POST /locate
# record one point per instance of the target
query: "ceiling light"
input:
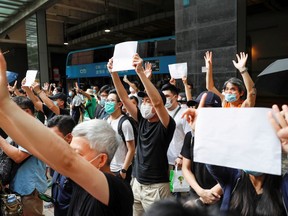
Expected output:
(107, 30)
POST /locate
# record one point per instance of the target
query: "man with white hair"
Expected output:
(86, 161)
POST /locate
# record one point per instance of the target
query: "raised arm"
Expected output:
(279, 121)
(209, 76)
(41, 142)
(131, 108)
(35, 100)
(151, 91)
(132, 85)
(188, 92)
(48, 102)
(248, 82)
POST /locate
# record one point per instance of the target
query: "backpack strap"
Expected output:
(120, 131)
(176, 112)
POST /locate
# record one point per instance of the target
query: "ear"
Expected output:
(103, 160)
(120, 104)
(68, 138)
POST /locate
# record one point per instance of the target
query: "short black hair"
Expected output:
(170, 87)
(132, 97)
(24, 103)
(105, 88)
(64, 123)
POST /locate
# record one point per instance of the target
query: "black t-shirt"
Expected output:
(151, 163)
(50, 114)
(202, 175)
(120, 200)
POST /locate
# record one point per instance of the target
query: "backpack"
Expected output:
(8, 167)
(134, 126)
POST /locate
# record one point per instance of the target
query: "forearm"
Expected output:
(129, 156)
(119, 87)
(217, 189)
(188, 92)
(9, 150)
(151, 90)
(209, 78)
(190, 178)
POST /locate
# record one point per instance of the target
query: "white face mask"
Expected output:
(168, 103)
(146, 111)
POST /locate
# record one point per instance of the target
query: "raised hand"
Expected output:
(241, 64)
(190, 114)
(172, 81)
(138, 63)
(208, 59)
(45, 86)
(125, 79)
(148, 70)
(280, 123)
(12, 88)
(110, 65)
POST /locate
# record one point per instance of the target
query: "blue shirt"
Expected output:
(30, 175)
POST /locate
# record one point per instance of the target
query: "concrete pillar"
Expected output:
(36, 37)
(209, 25)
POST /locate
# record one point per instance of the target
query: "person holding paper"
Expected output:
(233, 89)
(247, 192)
(156, 130)
(204, 189)
(86, 161)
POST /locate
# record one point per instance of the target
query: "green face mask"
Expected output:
(109, 107)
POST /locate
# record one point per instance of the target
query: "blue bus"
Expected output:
(89, 65)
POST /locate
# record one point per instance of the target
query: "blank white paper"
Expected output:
(123, 56)
(241, 138)
(30, 77)
(179, 70)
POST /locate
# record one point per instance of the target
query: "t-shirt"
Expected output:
(151, 163)
(182, 127)
(202, 175)
(50, 114)
(120, 155)
(90, 107)
(120, 200)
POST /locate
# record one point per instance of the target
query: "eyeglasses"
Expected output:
(110, 100)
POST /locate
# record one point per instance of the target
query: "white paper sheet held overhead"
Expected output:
(177, 71)
(241, 138)
(123, 56)
(30, 77)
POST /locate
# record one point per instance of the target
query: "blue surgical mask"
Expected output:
(70, 94)
(253, 173)
(94, 91)
(55, 103)
(109, 107)
(230, 98)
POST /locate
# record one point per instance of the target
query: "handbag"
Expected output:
(10, 203)
(178, 182)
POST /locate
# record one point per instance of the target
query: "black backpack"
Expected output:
(134, 126)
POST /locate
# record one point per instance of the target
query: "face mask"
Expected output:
(146, 111)
(253, 173)
(70, 94)
(168, 103)
(132, 91)
(94, 91)
(230, 98)
(95, 159)
(109, 107)
(102, 101)
(55, 103)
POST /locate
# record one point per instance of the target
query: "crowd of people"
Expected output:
(109, 150)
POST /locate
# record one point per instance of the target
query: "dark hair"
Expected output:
(132, 97)
(244, 196)
(105, 88)
(169, 207)
(237, 82)
(64, 123)
(24, 103)
(170, 87)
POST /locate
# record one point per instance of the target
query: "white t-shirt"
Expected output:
(182, 127)
(120, 154)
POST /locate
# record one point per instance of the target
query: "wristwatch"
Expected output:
(123, 170)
